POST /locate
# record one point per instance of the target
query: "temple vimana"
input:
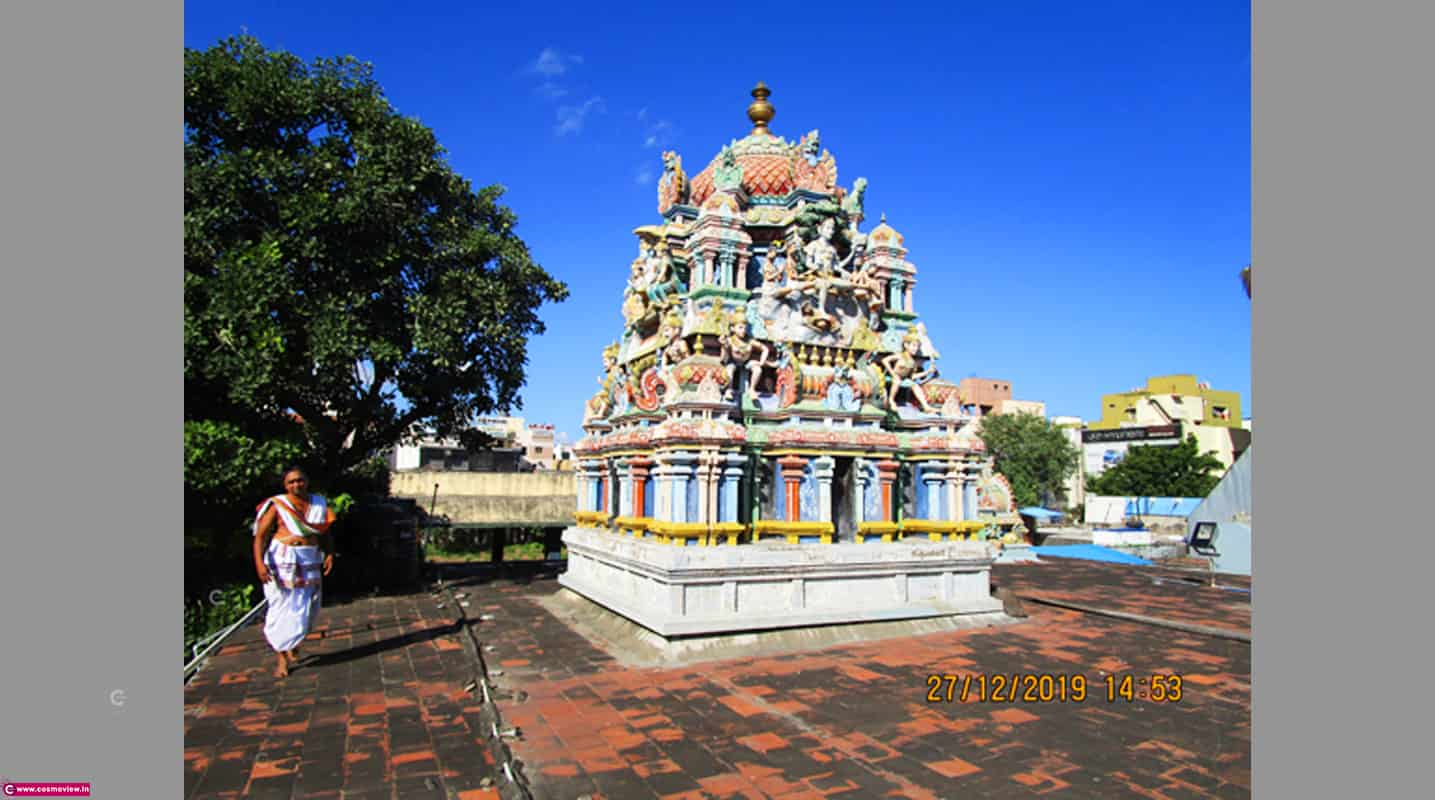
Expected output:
(773, 378)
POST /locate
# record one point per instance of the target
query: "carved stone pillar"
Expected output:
(956, 486)
(953, 491)
(823, 468)
(862, 470)
(708, 477)
(969, 496)
(625, 487)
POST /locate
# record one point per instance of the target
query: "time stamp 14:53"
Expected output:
(1052, 688)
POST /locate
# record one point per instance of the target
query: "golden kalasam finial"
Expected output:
(761, 112)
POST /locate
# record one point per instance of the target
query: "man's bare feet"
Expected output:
(282, 670)
(293, 656)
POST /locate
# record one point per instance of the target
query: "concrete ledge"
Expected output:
(633, 645)
(694, 591)
(1016, 553)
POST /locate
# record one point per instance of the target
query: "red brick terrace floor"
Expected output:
(376, 708)
(848, 721)
(854, 721)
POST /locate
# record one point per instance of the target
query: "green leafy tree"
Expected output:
(1035, 456)
(342, 284)
(1180, 470)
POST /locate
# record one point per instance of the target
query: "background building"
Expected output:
(983, 396)
(1074, 491)
(1168, 400)
(1036, 407)
(1165, 412)
(519, 447)
(537, 441)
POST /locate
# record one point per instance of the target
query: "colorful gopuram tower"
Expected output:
(773, 388)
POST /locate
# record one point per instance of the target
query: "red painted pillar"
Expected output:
(792, 469)
(887, 475)
(640, 483)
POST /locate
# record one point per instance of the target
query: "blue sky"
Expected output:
(1072, 179)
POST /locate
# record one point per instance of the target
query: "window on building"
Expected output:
(1220, 412)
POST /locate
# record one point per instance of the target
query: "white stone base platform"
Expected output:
(700, 591)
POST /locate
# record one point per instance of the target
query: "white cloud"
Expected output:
(552, 90)
(553, 62)
(656, 131)
(645, 175)
(572, 118)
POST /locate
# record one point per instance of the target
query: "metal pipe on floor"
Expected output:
(1220, 633)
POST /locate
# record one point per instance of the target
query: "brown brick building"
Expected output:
(984, 396)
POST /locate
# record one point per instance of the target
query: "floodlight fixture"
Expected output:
(1203, 539)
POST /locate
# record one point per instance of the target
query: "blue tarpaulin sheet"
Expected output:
(1089, 552)
(1042, 513)
(1162, 506)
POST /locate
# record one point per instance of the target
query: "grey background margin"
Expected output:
(1342, 169)
(90, 331)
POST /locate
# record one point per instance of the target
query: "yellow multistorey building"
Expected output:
(1167, 400)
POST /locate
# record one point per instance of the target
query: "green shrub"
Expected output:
(215, 611)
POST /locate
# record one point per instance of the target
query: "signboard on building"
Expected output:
(1148, 433)
(1104, 449)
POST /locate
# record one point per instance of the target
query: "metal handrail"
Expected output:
(219, 638)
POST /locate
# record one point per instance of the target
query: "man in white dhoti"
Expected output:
(289, 555)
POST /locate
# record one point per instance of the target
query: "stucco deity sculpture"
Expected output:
(867, 288)
(673, 187)
(842, 393)
(675, 349)
(774, 268)
(638, 310)
(728, 176)
(820, 255)
(602, 402)
(852, 203)
(906, 374)
(739, 349)
(668, 281)
(823, 272)
(814, 172)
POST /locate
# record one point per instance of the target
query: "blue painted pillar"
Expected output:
(779, 491)
(731, 475)
(682, 471)
(932, 477)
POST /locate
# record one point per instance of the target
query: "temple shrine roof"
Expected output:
(772, 167)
